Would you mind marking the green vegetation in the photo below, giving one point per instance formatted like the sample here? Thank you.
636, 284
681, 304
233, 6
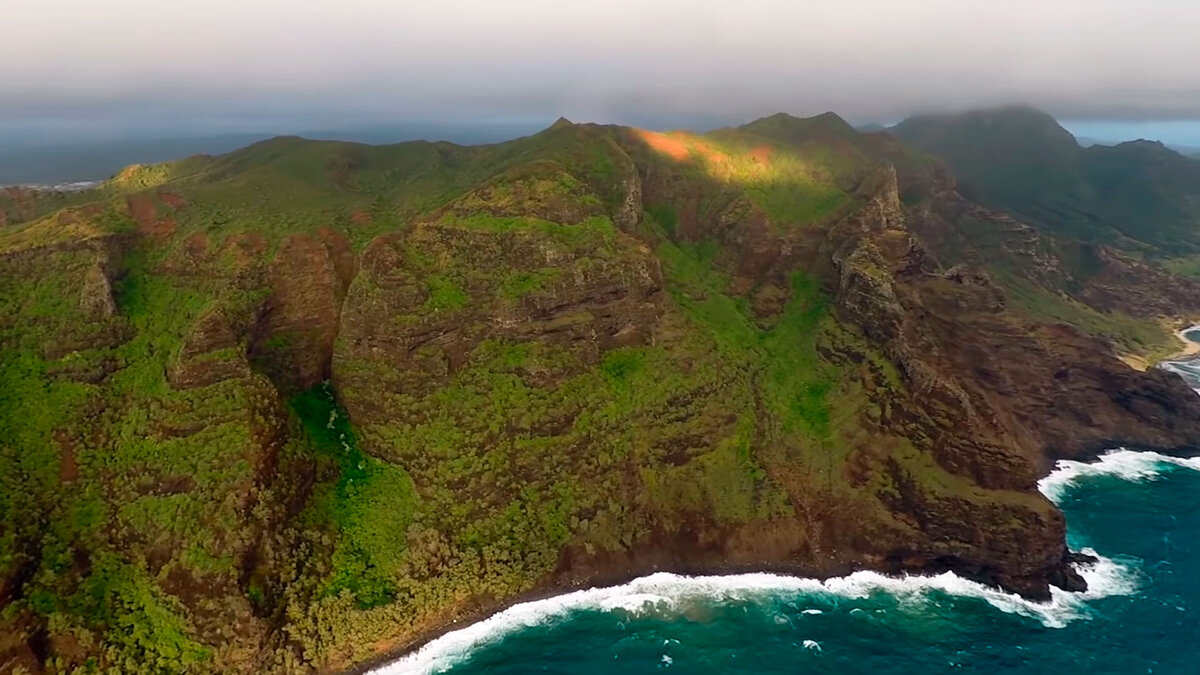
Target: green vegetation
445, 294
1145, 339
1185, 267
520, 284
781, 360
117, 488
526, 375
664, 215
370, 505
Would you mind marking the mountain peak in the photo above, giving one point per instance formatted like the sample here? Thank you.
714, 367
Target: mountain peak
784, 126
1024, 119
1004, 129
1144, 143
562, 123
825, 118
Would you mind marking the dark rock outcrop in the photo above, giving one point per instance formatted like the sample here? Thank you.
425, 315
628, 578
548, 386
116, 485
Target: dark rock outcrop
294, 336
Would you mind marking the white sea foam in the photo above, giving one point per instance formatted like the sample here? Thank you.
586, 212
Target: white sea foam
1121, 463
1188, 368
1184, 334
669, 594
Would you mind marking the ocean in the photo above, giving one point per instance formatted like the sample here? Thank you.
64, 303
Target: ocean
1139, 513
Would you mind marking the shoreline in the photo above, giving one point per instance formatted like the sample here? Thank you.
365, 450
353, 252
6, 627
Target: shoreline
1191, 348
557, 588
561, 587
553, 590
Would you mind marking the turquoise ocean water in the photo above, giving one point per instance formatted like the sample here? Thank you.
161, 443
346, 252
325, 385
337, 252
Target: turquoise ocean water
1139, 513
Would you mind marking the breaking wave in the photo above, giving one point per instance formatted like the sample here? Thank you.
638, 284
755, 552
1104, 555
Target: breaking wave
671, 594
1128, 465
667, 595
1187, 368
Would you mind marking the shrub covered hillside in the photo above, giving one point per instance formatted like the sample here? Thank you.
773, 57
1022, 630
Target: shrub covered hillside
1118, 215
299, 406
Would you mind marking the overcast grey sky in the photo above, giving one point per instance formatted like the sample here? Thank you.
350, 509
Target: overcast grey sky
285, 65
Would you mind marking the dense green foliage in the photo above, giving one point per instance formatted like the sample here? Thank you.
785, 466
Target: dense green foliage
370, 505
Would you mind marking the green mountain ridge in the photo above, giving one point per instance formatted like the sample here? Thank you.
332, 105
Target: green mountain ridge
1139, 196
302, 405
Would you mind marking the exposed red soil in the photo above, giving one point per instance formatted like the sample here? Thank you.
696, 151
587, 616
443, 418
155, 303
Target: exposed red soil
345, 263
196, 246
68, 468
22, 199
145, 213
173, 200
307, 289
361, 217
142, 210
162, 228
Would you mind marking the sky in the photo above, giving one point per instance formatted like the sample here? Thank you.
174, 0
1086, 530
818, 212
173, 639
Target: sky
79, 68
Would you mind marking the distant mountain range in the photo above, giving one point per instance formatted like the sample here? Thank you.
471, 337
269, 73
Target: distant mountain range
60, 163
54, 163
1186, 150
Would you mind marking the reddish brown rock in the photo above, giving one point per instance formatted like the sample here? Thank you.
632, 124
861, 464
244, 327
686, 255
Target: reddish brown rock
293, 340
212, 352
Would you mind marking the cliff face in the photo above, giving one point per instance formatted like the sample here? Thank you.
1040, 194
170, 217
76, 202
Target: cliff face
294, 335
1046, 378
310, 422
1102, 238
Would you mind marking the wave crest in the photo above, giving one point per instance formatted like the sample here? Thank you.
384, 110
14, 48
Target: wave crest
665, 593
1121, 463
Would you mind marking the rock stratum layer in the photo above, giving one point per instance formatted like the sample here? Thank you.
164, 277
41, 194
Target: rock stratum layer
298, 406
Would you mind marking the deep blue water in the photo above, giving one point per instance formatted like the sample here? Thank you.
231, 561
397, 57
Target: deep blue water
1139, 512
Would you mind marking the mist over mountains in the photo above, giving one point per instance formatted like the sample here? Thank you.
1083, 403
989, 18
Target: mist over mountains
43, 161
40, 159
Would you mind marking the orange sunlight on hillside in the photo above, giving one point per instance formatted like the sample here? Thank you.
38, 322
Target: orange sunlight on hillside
741, 166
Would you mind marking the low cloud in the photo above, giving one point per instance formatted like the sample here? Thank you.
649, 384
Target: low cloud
302, 63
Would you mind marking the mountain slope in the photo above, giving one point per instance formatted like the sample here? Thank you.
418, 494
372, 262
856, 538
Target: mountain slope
300, 405
1140, 196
